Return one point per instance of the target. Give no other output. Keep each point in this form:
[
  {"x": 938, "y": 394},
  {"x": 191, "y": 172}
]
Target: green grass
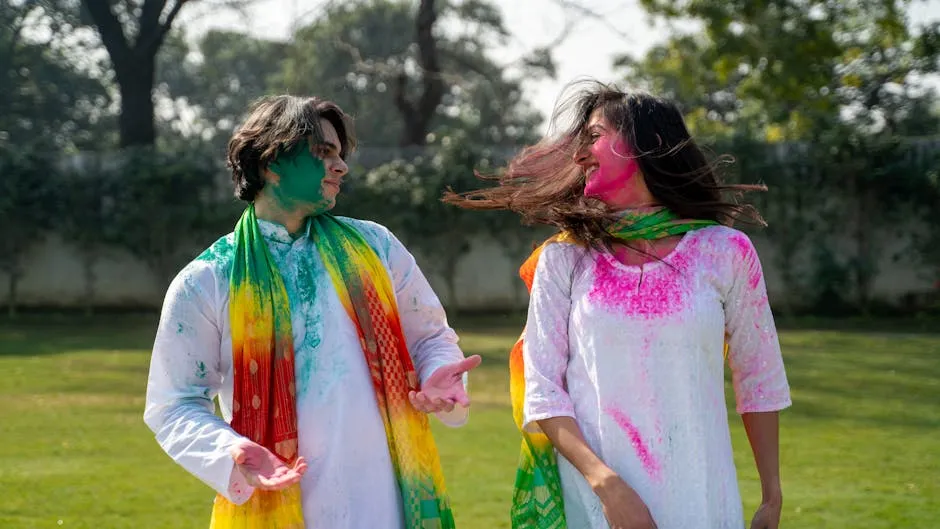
[{"x": 860, "y": 448}]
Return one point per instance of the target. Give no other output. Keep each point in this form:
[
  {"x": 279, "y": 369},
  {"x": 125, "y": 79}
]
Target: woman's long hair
[{"x": 545, "y": 186}]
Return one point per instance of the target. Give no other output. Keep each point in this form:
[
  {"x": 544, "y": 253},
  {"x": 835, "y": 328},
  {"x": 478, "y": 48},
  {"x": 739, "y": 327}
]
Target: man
[{"x": 322, "y": 340}]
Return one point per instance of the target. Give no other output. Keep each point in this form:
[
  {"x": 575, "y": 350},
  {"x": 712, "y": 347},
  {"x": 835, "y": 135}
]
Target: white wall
[{"x": 487, "y": 278}]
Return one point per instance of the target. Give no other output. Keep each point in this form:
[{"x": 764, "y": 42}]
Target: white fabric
[
  {"x": 635, "y": 355},
  {"x": 350, "y": 482}
]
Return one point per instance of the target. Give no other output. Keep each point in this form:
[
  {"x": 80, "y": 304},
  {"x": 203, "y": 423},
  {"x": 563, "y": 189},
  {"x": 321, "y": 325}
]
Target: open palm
[
  {"x": 444, "y": 388},
  {"x": 264, "y": 470}
]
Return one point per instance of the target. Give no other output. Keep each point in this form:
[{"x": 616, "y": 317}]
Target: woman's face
[{"x": 611, "y": 171}]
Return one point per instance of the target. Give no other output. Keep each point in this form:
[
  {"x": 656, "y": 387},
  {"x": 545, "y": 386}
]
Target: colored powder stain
[
  {"x": 645, "y": 348},
  {"x": 301, "y": 284},
  {"x": 303, "y": 278},
  {"x": 308, "y": 365},
  {"x": 220, "y": 251},
  {"x": 191, "y": 290},
  {"x": 304, "y": 368},
  {"x": 636, "y": 440},
  {"x": 201, "y": 370},
  {"x": 179, "y": 328},
  {"x": 300, "y": 179},
  {"x": 279, "y": 252},
  {"x": 376, "y": 237},
  {"x": 746, "y": 252},
  {"x": 660, "y": 293},
  {"x": 616, "y": 168}
]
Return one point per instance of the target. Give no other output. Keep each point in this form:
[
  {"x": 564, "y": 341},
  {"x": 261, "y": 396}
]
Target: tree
[
  {"x": 683, "y": 69},
  {"x": 133, "y": 33},
  {"x": 28, "y": 204},
  {"x": 407, "y": 80},
  {"x": 132, "y": 45},
  {"x": 891, "y": 193},
  {"x": 418, "y": 111},
  {"x": 164, "y": 207},
  {"x": 786, "y": 68},
  {"x": 231, "y": 70},
  {"x": 835, "y": 85},
  {"x": 46, "y": 99},
  {"x": 405, "y": 196},
  {"x": 85, "y": 191}
]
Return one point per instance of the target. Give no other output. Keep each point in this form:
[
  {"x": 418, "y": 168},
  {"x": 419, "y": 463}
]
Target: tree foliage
[
  {"x": 47, "y": 98},
  {"x": 783, "y": 69},
  {"x": 28, "y": 207},
  {"x": 406, "y": 79}
]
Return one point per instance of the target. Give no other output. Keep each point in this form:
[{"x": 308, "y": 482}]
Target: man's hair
[{"x": 277, "y": 124}]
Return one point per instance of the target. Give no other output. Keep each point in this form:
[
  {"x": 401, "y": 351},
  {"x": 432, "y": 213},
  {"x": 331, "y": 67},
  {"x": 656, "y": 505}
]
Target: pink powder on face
[
  {"x": 612, "y": 182},
  {"x": 636, "y": 440},
  {"x": 661, "y": 292}
]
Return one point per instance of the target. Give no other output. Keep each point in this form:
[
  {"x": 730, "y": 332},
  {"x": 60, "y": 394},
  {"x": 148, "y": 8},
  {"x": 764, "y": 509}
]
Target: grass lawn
[{"x": 860, "y": 448}]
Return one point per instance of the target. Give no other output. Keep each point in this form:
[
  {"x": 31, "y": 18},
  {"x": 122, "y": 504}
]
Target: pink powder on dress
[
  {"x": 747, "y": 254},
  {"x": 636, "y": 440},
  {"x": 661, "y": 293}
]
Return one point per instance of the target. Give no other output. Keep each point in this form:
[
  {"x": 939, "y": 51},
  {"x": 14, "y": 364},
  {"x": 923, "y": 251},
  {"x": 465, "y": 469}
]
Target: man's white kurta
[{"x": 350, "y": 482}]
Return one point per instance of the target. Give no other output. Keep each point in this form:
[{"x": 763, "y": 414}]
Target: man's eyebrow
[{"x": 329, "y": 145}]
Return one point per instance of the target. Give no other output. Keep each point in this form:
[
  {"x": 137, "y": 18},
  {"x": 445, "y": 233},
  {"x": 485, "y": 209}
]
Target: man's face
[
  {"x": 309, "y": 176},
  {"x": 329, "y": 154}
]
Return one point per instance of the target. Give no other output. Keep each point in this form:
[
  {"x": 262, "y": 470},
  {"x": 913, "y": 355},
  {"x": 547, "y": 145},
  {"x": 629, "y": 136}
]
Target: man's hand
[
  {"x": 444, "y": 388},
  {"x": 264, "y": 470}
]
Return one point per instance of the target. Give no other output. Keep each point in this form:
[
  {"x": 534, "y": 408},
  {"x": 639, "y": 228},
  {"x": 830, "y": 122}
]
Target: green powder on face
[{"x": 301, "y": 180}]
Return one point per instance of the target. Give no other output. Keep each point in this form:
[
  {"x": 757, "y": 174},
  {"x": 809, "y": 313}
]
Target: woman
[{"x": 634, "y": 307}]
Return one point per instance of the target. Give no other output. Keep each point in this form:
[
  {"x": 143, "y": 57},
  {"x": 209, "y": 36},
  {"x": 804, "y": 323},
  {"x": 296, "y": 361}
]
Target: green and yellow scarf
[
  {"x": 264, "y": 404},
  {"x": 537, "y": 501}
]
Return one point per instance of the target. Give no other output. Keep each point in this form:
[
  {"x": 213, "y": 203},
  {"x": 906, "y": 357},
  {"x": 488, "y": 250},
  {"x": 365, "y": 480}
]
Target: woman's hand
[{"x": 623, "y": 507}]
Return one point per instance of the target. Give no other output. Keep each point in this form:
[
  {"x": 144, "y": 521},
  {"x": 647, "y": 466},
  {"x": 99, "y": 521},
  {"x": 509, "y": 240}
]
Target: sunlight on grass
[{"x": 858, "y": 449}]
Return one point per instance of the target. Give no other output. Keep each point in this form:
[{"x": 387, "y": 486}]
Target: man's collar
[{"x": 273, "y": 231}]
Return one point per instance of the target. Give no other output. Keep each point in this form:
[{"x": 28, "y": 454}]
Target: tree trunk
[
  {"x": 450, "y": 273},
  {"x": 11, "y": 294},
  {"x": 134, "y": 63},
  {"x": 136, "y": 121},
  {"x": 866, "y": 262},
  {"x": 415, "y": 131},
  {"x": 417, "y": 116},
  {"x": 88, "y": 264}
]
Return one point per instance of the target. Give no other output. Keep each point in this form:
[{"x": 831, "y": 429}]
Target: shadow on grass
[
  {"x": 866, "y": 378},
  {"x": 514, "y": 321},
  {"x": 917, "y": 324},
  {"x": 46, "y": 334}
]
